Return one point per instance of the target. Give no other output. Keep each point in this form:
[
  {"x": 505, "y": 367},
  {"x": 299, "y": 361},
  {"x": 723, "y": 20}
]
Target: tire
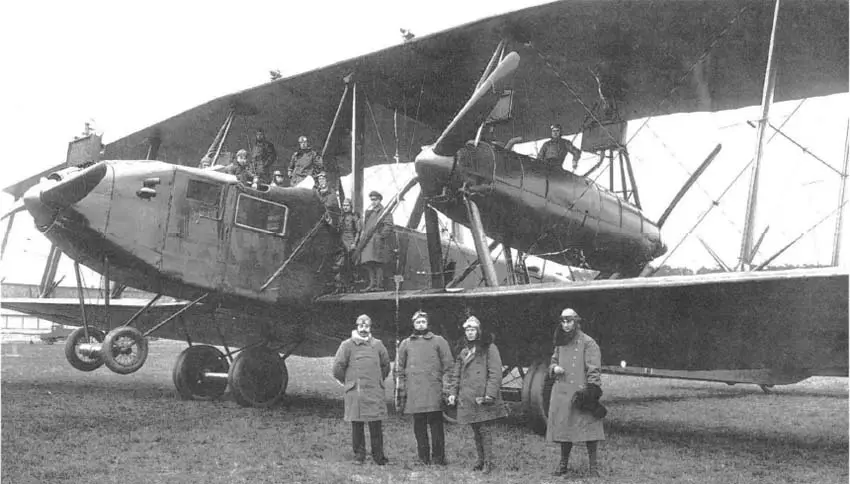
[
  {"x": 536, "y": 392},
  {"x": 76, "y": 358},
  {"x": 125, "y": 350},
  {"x": 258, "y": 378},
  {"x": 190, "y": 367}
]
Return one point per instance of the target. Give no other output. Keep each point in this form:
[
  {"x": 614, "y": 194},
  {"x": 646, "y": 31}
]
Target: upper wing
[
  {"x": 783, "y": 319},
  {"x": 653, "y": 57}
]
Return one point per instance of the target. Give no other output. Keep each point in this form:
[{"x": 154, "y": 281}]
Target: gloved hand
[
  {"x": 558, "y": 370},
  {"x": 451, "y": 400}
]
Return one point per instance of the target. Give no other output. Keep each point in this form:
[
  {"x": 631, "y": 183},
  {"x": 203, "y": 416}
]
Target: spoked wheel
[
  {"x": 84, "y": 353},
  {"x": 200, "y": 373},
  {"x": 536, "y": 390},
  {"x": 125, "y": 350},
  {"x": 258, "y": 377}
]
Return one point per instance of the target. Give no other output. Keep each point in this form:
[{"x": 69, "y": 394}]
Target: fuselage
[
  {"x": 183, "y": 231},
  {"x": 542, "y": 210}
]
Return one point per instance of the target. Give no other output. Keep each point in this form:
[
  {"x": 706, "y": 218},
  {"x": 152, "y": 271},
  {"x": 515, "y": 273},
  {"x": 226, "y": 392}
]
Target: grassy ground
[{"x": 63, "y": 426}]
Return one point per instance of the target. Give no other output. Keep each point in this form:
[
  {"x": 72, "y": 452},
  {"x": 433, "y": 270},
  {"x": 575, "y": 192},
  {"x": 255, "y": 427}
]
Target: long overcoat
[
  {"x": 362, "y": 365},
  {"x": 581, "y": 360},
  {"x": 379, "y": 247},
  {"x": 477, "y": 372},
  {"x": 423, "y": 361}
]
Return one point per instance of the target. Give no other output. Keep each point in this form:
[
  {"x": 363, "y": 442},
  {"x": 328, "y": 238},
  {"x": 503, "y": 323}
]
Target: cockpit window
[
  {"x": 208, "y": 195},
  {"x": 261, "y": 215}
]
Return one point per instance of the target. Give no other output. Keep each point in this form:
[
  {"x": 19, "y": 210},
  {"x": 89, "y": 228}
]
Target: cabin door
[
  {"x": 258, "y": 245},
  {"x": 195, "y": 236}
]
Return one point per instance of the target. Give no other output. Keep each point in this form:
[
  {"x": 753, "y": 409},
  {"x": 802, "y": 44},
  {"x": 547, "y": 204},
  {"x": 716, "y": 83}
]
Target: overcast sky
[{"x": 126, "y": 67}]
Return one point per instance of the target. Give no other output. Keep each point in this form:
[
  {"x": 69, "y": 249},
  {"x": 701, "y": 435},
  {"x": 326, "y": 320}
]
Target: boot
[
  {"x": 379, "y": 279},
  {"x": 479, "y": 448},
  {"x": 566, "y": 447},
  {"x": 593, "y": 471},
  {"x": 371, "y": 273}
]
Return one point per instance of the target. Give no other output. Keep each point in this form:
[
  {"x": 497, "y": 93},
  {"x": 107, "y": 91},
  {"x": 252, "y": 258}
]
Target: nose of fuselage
[{"x": 48, "y": 198}]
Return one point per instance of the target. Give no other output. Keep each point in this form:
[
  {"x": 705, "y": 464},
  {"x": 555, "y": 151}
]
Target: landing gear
[
  {"x": 258, "y": 377},
  {"x": 125, "y": 350},
  {"x": 200, "y": 373},
  {"x": 536, "y": 390},
  {"x": 83, "y": 353}
]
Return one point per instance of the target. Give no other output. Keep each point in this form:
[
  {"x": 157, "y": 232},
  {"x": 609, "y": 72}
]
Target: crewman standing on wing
[{"x": 263, "y": 156}]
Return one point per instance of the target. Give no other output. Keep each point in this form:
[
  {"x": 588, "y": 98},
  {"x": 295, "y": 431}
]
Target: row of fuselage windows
[{"x": 251, "y": 212}]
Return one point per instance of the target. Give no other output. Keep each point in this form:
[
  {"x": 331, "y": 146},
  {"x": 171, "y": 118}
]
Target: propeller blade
[
  {"x": 17, "y": 207},
  {"x": 476, "y": 108},
  {"x": 417, "y": 212},
  {"x": 688, "y": 184}
]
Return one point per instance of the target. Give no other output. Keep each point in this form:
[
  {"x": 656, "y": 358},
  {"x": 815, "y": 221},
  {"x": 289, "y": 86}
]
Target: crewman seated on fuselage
[{"x": 239, "y": 169}]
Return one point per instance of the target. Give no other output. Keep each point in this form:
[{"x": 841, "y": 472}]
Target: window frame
[
  {"x": 284, "y": 225},
  {"x": 219, "y": 205}
]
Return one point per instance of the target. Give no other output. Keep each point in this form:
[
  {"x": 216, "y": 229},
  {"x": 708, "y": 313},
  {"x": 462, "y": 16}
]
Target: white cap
[{"x": 472, "y": 322}]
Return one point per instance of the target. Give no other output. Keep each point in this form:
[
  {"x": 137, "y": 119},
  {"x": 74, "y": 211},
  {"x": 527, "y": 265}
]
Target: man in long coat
[
  {"x": 473, "y": 385},
  {"x": 361, "y": 365},
  {"x": 575, "y": 365},
  {"x": 377, "y": 252},
  {"x": 423, "y": 360}
]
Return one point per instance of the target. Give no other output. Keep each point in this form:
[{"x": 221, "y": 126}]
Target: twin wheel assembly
[{"x": 257, "y": 376}]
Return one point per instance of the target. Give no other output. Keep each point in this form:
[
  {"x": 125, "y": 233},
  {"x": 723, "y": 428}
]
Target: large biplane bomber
[{"x": 248, "y": 266}]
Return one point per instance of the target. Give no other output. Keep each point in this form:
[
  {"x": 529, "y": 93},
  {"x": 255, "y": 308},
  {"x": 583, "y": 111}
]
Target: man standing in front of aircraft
[
  {"x": 361, "y": 365},
  {"x": 377, "y": 251},
  {"x": 554, "y": 150},
  {"x": 304, "y": 162},
  {"x": 423, "y": 360},
  {"x": 263, "y": 156},
  {"x": 575, "y": 414}
]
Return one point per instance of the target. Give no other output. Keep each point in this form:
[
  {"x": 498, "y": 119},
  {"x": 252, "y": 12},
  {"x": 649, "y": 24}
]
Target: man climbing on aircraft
[
  {"x": 329, "y": 199},
  {"x": 304, "y": 162},
  {"x": 349, "y": 233},
  {"x": 554, "y": 150},
  {"x": 263, "y": 156}
]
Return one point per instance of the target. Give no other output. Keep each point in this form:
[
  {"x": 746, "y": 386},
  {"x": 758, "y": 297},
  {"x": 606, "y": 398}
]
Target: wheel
[
  {"x": 258, "y": 377},
  {"x": 536, "y": 391},
  {"x": 189, "y": 369},
  {"x": 83, "y": 360},
  {"x": 125, "y": 350}
]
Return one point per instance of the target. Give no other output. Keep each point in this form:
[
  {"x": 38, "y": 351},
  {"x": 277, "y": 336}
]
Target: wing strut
[{"x": 766, "y": 101}]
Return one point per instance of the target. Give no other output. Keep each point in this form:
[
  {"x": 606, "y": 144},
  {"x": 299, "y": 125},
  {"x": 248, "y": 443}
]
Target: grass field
[{"x": 64, "y": 426}]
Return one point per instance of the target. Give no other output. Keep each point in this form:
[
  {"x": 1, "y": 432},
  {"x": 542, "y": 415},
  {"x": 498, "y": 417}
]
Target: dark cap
[
  {"x": 555, "y": 126},
  {"x": 374, "y": 194}
]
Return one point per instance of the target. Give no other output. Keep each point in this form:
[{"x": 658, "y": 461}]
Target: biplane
[{"x": 249, "y": 265}]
